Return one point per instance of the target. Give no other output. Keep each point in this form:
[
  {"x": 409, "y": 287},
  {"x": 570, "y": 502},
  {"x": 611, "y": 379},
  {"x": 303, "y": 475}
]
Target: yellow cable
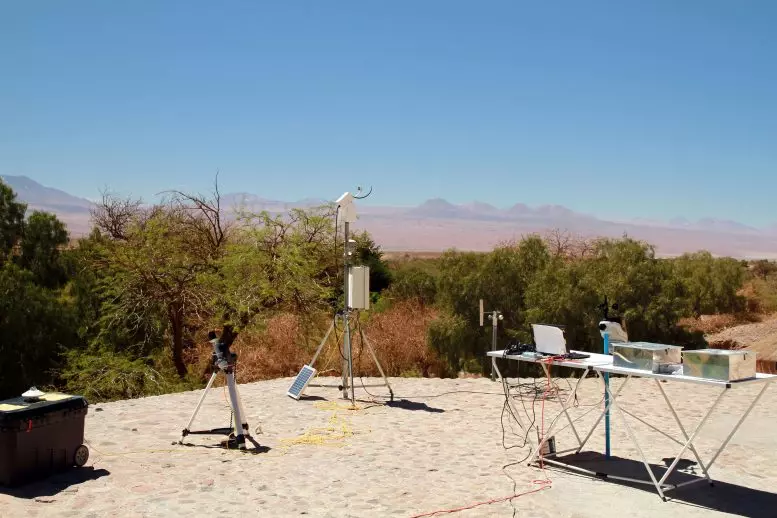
[
  {"x": 334, "y": 434},
  {"x": 337, "y": 430}
]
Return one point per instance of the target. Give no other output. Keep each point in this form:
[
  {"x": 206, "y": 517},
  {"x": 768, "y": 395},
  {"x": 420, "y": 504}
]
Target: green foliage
[
  {"x": 413, "y": 282},
  {"x": 43, "y": 238},
  {"x": 103, "y": 375},
  {"x": 529, "y": 285},
  {"x": 501, "y": 278},
  {"x": 763, "y": 269},
  {"x": 112, "y": 318},
  {"x": 11, "y": 220},
  {"x": 153, "y": 262},
  {"x": 766, "y": 293},
  {"x": 712, "y": 284},
  {"x": 450, "y": 336},
  {"x": 368, "y": 253},
  {"x": 34, "y": 243},
  {"x": 275, "y": 263},
  {"x": 35, "y": 326}
]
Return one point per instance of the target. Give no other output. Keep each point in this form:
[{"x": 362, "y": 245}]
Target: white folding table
[{"x": 600, "y": 364}]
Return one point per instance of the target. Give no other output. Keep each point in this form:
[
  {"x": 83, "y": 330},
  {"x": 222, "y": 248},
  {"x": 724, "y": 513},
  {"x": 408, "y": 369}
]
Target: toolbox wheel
[{"x": 81, "y": 455}]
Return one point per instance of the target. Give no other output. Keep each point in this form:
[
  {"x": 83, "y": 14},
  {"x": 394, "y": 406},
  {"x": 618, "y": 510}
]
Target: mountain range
[{"x": 437, "y": 224}]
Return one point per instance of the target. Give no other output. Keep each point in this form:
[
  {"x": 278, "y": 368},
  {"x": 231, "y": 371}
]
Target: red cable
[
  {"x": 545, "y": 484},
  {"x": 542, "y": 420}
]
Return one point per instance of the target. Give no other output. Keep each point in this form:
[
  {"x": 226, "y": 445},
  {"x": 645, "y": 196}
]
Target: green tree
[
  {"x": 531, "y": 284},
  {"x": 763, "y": 268},
  {"x": 36, "y": 325},
  {"x": 501, "y": 278},
  {"x": 413, "y": 282},
  {"x": 275, "y": 263},
  {"x": 11, "y": 220},
  {"x": 40, "y": 248},
  {"x": 368, "y": 253},
  {"x": 158, "y": 257},
  {"x": 651, "y": 297},
  {"x": 712, "y": 283}
]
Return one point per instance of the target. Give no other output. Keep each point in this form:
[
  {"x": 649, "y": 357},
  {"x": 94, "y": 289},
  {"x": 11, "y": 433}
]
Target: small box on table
[
  {"x": 657, "y": 358},
  {"x": 720, "y": 364}
]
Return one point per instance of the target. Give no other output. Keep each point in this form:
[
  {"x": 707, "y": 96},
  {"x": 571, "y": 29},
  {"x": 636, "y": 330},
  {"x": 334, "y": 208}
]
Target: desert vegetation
[{"x": 125, "y": 312}]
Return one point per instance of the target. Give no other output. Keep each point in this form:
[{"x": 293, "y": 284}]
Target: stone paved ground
[{"x": 423, "y": 454}]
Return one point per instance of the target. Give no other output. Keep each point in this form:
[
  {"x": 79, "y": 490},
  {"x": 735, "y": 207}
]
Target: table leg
[
  {"x": 633, "y": 437},
  {"x": 564, "y": 406},
  {"x": 739, "y": 423},
  {"x": 682, "y": 428},
  {"x": 692, "y": 437},
  {"x": 607, "y": 407}
]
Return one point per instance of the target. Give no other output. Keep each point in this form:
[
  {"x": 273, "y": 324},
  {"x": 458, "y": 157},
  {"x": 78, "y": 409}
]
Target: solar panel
[{"x": 301, "y": 381}]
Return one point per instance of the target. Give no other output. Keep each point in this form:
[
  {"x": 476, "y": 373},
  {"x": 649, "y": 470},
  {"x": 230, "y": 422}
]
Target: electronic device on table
[
  {"x": 549, "y": 340},
  {"x": 516, "y": 348}
]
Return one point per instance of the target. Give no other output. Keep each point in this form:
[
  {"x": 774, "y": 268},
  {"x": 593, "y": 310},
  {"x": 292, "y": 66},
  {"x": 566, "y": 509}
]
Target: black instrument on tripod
[{"x": 224, "y": 361}]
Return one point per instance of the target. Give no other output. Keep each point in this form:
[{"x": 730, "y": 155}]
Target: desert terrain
[{"x": 438, "y": 446}]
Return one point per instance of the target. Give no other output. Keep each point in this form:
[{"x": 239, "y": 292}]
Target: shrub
[
  {"x": 35, "y": 326},
  {"x": 103, "y": 375},
  {"x": 415, "y": 283}
]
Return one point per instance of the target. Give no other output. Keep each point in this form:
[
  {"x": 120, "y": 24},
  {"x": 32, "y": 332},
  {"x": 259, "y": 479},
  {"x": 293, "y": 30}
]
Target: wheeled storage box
[{"x": 40, "y": 436}]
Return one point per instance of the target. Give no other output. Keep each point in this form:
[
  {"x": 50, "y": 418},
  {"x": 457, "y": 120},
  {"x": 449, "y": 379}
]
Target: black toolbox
[{"x": 40, "y": 436}]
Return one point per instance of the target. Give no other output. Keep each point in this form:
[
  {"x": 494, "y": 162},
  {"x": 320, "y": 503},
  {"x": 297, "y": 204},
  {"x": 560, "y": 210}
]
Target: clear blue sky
[{"x": 622, "y": 109}]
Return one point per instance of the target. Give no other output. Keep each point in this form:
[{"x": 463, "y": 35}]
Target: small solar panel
[{"x": 301, "y": 381}]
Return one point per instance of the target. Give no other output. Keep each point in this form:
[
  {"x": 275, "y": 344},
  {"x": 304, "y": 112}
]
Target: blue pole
[{"x": 607, "y": 400}]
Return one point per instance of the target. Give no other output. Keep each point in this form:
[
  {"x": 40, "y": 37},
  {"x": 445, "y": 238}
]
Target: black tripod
[{"x": 224, "y": 361}]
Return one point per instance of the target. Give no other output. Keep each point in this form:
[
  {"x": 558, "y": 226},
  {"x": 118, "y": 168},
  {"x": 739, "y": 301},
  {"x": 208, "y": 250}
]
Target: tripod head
[
  {"x": 605, "y": 308},
  {"x": 613, "y": 326},
  {"x": 223, "y": 358}
]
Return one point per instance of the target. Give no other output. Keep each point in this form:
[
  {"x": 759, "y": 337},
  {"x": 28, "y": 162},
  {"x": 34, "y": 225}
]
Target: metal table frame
[{"x": 600, "y": 364}]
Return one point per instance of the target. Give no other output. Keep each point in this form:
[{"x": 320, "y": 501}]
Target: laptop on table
[{"x": 550, "y": 341}]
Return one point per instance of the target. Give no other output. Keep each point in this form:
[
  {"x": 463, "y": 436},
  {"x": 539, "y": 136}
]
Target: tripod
[
  {"x": 347, "y": 363},
  {"x": 356, "y": 289},
  {"x": 224, "y": 361}
]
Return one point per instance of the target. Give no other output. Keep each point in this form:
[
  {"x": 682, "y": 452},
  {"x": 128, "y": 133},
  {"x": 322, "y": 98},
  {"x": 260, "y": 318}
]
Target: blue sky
[{"x": 622, "y": 109}]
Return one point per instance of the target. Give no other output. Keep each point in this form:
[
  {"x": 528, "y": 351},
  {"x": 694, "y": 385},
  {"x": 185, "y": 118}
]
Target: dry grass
[
  {"x": 399, "y": 338},
  {"x": 711, "y": 324},
  {"x": 277, "y": 351},
  {"x": 398, "y": 335}
]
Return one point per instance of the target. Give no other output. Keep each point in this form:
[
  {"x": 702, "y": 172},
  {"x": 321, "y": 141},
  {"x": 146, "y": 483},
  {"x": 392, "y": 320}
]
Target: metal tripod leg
[
  {"x": 347, "y": 362},
  {"x": 244, "y": 422},
  {"x": 321, "y": 348},
  {"x": 322, "y": 344},
  {"x": 197, "y": 408},
  {"x": 237, "y": 409},
  {"x": 375, "y": 358}
]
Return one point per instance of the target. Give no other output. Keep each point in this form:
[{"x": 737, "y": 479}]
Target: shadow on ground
[
  {"x": 723, "y": 496},
  {"x": 255, "y": 449},
  {"x": 55, "y": 483},
  {"x": 412, "y": 405}
]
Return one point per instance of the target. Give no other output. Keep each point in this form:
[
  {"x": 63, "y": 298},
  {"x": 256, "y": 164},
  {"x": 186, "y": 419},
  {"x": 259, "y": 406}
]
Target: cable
[
  {"x": 477, "y": 504},
  {"x": 361, "y": 350}
]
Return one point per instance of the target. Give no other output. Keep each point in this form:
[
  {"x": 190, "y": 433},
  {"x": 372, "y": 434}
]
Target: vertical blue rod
[{"x": 607, "y": 400}]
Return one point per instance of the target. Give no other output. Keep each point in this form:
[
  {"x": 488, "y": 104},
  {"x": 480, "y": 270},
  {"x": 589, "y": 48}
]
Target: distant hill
[
  {"x": 47, "y": 198},
  {"x": 438, "y": 224},
  {"x": 72, "y": 210}
]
